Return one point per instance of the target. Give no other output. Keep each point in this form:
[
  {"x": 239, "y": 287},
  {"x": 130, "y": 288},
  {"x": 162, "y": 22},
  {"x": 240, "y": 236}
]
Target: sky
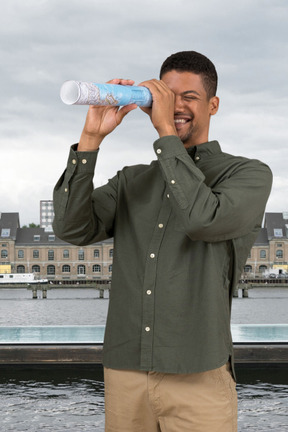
[{"x": 46, "y": 42}]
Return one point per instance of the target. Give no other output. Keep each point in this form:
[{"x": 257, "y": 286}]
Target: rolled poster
[{"x": 87, "y": 93}]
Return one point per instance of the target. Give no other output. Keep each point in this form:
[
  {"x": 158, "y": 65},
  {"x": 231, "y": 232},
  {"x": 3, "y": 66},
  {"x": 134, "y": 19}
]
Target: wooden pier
[
  {"x": 244, "y": 288},
  {"x": 44, "y": 288},
  {"x": 39, "y": 290}
]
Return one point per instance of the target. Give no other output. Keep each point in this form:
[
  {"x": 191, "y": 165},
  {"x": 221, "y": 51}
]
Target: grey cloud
[{"x": 50, "y": 41}]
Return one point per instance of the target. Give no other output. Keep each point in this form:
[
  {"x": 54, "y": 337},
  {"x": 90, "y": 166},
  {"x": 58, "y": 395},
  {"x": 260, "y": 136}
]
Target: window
[
  {"x": 111, "y": 253},
  {"x": 110, "y": 268},
  {"x": 5, "y": 232},
  {"x": 35, "y": 253},
  {"x": 248, "y": 269},
  {"x": 262, "y": 253},
  {"x": 65, "y": 253},
  {"x": 279, "y": 244},
  {"x": 81, "y": 255},
  {"x": 96, "y": 253},
  {"x": 51, "y": 237},
  {"x": 20, "y": 253},
  {"x": 50, "y": 270},
  {"x": 279, "y": 253},
  {"x": 81, "y": 270},
  {"x": 36, "y": 269},
  {"x": 4, "y": 253},
  {"x": 20, "y": 269},
  {"x": 278, "y": 232},
  {"x": 66, "y": 268},
  {"x": 96, "y": 268},
  {"x": 36, "y": 237},
  {"x": 262, "y": 268},
  {"x": 50, "y": 255}
]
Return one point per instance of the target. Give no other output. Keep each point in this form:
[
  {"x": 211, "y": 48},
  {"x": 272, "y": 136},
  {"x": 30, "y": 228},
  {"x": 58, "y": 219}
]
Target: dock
[{"x": 244, "y": 288}]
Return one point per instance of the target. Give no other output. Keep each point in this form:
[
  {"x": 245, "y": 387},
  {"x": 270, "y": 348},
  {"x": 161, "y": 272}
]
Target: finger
[
  {"x": 121, "y": 81},
  {"x": 156, "y": 87},
  {"x": 146, "y": 110},
  {"x": 124, "y": 111}
]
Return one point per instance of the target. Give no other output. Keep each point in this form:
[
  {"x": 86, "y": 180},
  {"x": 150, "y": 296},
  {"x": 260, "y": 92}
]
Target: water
[
  {"x": 57, "y": 401},
  {"x": 241, "y": 333},
  {"x": 73, "y": 400}
]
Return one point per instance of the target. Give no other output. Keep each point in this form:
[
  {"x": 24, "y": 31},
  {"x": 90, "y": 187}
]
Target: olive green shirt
[{"x": 183, "y": 227}]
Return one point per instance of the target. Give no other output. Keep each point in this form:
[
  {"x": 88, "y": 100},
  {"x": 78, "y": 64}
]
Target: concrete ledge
[
  {"x": 261, "y": 353},
  {"x": 91, "y": 354},
  {"x": 50, "y": 354}
]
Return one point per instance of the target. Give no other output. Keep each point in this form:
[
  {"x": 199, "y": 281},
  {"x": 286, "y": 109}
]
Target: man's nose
[{"x": 179, "y": 103}]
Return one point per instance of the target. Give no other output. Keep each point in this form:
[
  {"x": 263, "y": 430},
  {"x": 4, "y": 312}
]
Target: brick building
[
  {"x": 34, "y": 250},
  {"x": 270, "y": 250},
  {"x": 38, "y": 250}
]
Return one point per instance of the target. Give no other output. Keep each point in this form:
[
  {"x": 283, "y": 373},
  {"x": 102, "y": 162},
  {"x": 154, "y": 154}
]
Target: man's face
[{"x": 192, "y": 107}]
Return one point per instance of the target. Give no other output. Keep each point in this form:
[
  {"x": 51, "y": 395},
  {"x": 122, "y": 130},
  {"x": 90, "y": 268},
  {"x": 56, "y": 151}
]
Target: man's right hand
[{"x": 102, "y": 120}]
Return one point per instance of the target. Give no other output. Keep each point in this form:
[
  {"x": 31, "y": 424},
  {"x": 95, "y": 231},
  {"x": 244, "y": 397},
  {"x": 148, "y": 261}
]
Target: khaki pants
[{"x": 138, "y": 401}]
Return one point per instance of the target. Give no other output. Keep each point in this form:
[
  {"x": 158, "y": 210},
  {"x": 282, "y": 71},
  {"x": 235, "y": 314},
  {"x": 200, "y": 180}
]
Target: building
[
  {"x": 46, "y": 214},
  {"x": 38, "y": 250},
  {"x": 269, "y": 253},
  {"x": 27, "y": 250}
]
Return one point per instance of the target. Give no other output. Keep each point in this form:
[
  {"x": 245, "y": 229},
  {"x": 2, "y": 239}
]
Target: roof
[
  {"x": 262, "y": 238},
  {"x": 40, "y": 237},
  {"x": 9, "y": 223},
  {"x": 277, "y": 225}
]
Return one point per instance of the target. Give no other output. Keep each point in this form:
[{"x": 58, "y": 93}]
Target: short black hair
[{"x": 192, "y": 61}]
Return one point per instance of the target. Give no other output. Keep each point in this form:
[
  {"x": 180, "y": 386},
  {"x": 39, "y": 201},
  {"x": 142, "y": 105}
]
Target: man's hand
[
  {"x": 102, "y": 120},
  {"x": 162, "y": 111}
]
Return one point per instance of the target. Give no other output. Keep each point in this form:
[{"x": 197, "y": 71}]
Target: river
[{"x": 73, "y": 400}]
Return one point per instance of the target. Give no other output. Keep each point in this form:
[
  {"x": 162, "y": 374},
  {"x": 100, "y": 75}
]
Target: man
[{"x": 183, "y": 227}]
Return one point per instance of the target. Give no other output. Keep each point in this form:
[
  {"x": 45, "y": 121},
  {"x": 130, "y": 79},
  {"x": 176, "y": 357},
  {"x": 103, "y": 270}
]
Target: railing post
[
  {"x": 44, "y": 292},
  {"x": 34, "y": 292}
]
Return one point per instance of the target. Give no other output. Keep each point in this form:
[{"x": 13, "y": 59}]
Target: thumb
[{"x": 124, "y": 111}]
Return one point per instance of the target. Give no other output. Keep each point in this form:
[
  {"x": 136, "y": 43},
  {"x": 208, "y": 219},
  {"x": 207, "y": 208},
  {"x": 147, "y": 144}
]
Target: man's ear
[{"x": 214, "y": 105}]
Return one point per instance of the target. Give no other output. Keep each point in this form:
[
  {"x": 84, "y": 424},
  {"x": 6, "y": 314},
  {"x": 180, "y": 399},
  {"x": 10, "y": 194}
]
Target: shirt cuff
[
  {"x": 169, "y": 146},
  {"x": 83, "y": 161}
]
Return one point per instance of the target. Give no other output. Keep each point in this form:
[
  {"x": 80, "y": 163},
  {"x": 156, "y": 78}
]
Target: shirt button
[
  {"x": 168, "y": 196},
  {"x": 84, "y": 161},
  {"x": 74, "y": 161},
  {"x": 158, "y": 151},
  {"x": 197, "y": 158},
  {"x": 152, "y": 255},
  {"x": 148, "y": 292},
  {"x": 173, "y": 181},
  {"x": 147, "y": 329},
  {"x": 66, "y": 189},
  {"x": 160, "y": 225}
]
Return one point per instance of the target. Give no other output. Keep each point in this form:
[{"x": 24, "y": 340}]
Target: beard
[{"x": 188, "y": 134}]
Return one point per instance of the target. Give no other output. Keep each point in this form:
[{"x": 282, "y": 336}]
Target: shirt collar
[{"x": 204, "y": 150}]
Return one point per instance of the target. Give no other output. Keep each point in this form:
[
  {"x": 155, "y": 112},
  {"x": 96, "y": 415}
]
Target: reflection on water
[
  {"x": 263, "y": 407},
  {"x": 71, "y": 401},
  {"x": 36, "y": 403}
]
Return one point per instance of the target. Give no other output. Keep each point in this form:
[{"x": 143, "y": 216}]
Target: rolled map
[{"x": 87, "y": 93}]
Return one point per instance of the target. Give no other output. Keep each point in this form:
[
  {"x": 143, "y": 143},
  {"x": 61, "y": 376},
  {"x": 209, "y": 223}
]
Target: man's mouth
[{"x": 179, "y": 121}]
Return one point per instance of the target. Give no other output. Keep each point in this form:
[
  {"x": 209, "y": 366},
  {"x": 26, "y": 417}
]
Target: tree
[{"x": 31, "y": 225}]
